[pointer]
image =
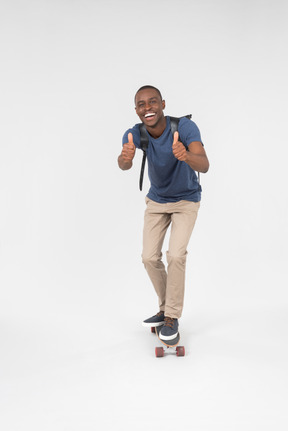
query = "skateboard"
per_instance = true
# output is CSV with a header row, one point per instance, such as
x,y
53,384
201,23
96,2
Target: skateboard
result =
x,y
172,345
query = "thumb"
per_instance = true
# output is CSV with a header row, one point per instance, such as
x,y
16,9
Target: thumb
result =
x,y
176,137
130,138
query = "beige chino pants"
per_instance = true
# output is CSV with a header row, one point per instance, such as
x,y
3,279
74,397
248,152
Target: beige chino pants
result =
x,y
169,285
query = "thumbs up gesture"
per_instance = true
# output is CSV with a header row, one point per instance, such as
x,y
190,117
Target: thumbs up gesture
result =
x,y
178,148
128,150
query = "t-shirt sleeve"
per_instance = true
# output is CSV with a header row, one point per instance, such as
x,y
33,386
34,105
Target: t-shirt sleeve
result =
x,y
136,136
188,132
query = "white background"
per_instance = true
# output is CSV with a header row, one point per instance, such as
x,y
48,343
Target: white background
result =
x,y
73,353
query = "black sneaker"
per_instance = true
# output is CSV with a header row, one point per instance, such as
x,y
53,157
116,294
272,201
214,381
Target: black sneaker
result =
x,y
156,320
170,329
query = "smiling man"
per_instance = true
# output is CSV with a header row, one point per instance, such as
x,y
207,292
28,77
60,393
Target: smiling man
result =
x,y
173,199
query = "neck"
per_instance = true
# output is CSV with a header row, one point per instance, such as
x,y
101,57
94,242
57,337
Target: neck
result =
x,y
158,129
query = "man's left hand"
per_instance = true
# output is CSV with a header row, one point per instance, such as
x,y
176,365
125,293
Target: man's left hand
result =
x,y
178,148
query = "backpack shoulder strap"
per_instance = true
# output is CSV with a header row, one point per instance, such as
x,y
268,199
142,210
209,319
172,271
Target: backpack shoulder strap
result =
x,y
144,142
174,122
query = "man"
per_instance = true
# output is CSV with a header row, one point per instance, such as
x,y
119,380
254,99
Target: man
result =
x,y
173,198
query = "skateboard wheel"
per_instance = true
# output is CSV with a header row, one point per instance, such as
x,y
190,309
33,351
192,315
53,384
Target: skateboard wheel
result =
x,y
159,352
153,330
180,351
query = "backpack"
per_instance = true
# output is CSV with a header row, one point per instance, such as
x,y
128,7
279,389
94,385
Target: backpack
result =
x,y
144,142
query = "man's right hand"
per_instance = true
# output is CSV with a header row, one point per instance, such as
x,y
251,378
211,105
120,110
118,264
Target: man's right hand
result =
x,y
127,154
128,150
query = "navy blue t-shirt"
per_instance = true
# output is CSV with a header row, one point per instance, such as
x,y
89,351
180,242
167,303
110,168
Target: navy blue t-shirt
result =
x,y
171,180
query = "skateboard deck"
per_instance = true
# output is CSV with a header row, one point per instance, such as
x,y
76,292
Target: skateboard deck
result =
x,y
169,344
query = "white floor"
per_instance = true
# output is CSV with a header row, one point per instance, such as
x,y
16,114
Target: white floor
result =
x,y
61,369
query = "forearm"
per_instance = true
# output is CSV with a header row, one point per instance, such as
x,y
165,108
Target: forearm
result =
x,y
124,164
198,162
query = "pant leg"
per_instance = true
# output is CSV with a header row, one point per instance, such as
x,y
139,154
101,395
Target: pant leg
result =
x,y
183,220
156,222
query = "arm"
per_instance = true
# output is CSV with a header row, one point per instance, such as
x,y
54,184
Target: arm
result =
x,y
127,155
195,157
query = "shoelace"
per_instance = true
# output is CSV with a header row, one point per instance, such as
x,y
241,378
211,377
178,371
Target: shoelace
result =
x,y
169,322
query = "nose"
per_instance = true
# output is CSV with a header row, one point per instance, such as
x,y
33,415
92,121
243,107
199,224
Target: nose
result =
x,y
147,105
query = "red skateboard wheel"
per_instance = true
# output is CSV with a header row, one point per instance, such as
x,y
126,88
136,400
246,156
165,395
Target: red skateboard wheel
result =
x,y
159,352
180,351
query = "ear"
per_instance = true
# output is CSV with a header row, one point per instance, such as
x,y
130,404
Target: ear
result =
x,y
163,104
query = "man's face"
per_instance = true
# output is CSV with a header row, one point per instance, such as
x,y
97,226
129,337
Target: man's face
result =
x,y
149,107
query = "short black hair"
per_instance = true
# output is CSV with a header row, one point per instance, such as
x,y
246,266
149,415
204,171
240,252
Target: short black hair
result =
x,y
146,87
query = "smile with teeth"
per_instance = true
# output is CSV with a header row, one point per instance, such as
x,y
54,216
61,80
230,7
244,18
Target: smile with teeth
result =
x,y
150,114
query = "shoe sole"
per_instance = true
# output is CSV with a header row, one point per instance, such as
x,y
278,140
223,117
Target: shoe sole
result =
x,y
152,325
168,337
